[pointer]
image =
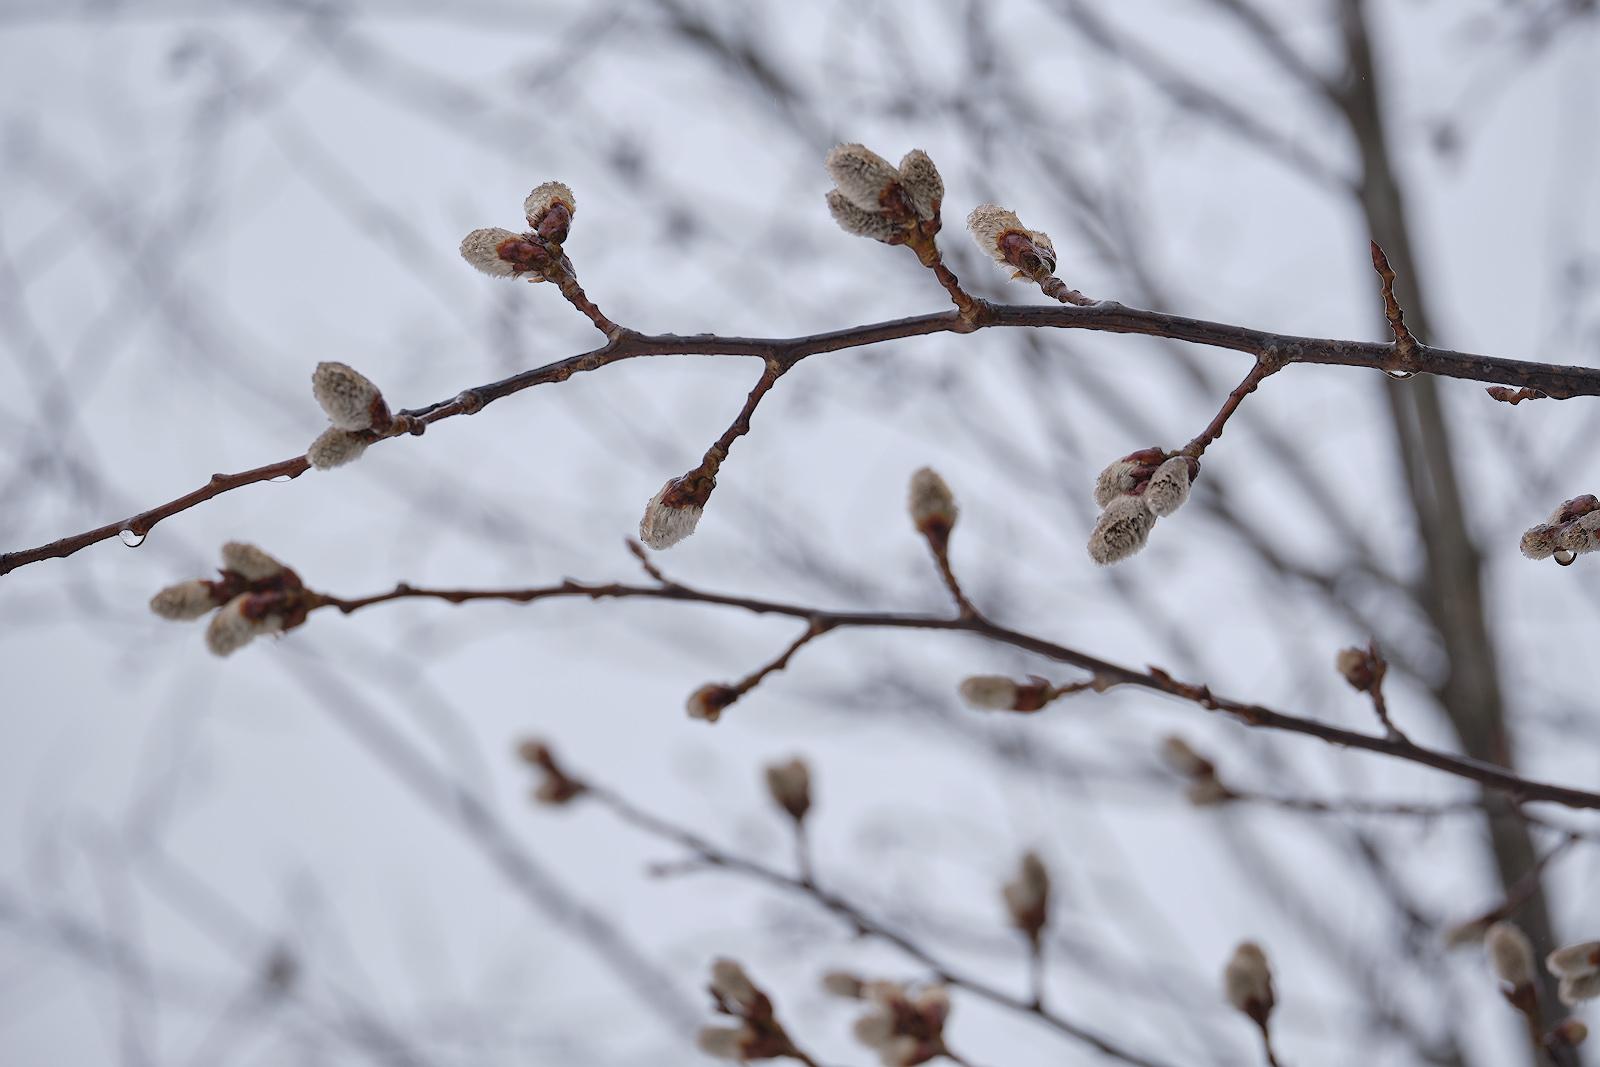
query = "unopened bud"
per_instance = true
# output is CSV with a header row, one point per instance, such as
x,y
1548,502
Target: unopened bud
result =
x,y
1570,1032
1168,487
729,982
789,784
1510,954
672,514
1359,668
1247,981
238,623
1123,529
862,176
334,448
922,184
545,198
350,400
184,601
1002,236
709,701
932,506
1582,958
249,562
481,248
1027,896
992,692
860,223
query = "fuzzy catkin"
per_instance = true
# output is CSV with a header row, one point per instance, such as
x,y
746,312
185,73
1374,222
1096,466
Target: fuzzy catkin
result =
x,y
861,175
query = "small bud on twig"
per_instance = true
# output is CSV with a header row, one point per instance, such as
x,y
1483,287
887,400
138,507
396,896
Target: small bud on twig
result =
x,y
709,701
1027,897
1247,981
481,248
1003,238
789,785
932,506
1122,530
1510,954
1572,530
350,400
1578,967
240,621
1168,487
673,513
993,692
185,601
249,562
556,787
904,1029
334,448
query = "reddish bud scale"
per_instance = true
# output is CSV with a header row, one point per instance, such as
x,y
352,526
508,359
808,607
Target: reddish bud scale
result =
x,y
1018,249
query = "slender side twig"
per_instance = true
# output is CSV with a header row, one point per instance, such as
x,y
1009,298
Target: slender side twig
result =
x,y
1106,673
707,855
1265,366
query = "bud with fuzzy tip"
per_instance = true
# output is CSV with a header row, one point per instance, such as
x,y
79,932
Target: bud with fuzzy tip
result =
x,y
549,209
1027,897
1510,954
335,448
709,701
843,984
1247,981
249,562
674,512
240,621
922,184
1003,238
1569,1033
861,176
185,601
994,692
350,400
904,1029
860,223
557,787
932,506
789,785
1182,759
1359,667
1122,530
1168,487
728,1042
481,248
730,983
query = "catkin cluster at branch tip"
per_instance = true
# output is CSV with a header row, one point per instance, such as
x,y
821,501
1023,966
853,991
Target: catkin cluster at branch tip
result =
x,y
1133,492
254,595
873,198
1578,967
535,254
1572,530
758,1034
356,411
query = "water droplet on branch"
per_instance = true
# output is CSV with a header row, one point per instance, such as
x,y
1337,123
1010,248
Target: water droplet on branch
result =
x,y
131,537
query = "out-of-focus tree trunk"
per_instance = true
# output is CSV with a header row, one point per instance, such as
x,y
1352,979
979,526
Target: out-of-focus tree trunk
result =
x,y
1452,589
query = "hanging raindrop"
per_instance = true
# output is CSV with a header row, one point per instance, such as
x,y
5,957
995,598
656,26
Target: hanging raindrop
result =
x,y
1401,375
1563,557
131,537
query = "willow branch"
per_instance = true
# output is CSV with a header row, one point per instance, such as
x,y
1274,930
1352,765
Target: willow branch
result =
x,y
1553,380
1104,672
